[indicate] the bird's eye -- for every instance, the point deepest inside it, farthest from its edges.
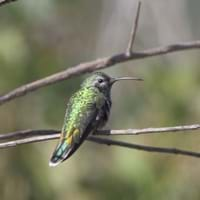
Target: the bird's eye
(100, 80)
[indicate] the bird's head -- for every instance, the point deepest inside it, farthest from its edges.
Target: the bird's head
(104, 82)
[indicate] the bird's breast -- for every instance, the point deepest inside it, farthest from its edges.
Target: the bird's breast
(104, 113)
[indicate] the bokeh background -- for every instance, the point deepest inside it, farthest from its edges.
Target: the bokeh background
(39, 38)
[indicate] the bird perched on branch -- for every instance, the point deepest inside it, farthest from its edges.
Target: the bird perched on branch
(87, 110)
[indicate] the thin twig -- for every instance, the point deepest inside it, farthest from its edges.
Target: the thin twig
(3, 2)
(54, 135)
(95, 65)
(27, 140)
(26, 133)
(150, 130)
(134, 30)
(144, 147)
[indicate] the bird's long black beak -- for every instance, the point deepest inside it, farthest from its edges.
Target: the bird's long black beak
(113, 80)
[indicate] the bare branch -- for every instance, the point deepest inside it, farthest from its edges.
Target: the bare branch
(26, 133)
(3, 2)
(144, 147)
(134, 30)
(28, 140)
(149, 130)
(35, 133)
(95, 65)
(30, 136)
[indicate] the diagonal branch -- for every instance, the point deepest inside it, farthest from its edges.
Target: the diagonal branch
(98, 64)
(95, 65)
(3, 2)
(134, 30)
(144, 147)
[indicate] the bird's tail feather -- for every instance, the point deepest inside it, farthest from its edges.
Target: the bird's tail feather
(60, 154)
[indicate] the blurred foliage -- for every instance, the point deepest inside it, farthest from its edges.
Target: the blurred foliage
(40, 38)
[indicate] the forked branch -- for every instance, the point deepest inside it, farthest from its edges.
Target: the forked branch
(100, 63)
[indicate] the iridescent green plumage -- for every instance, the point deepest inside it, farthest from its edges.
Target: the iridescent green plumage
(88, 110)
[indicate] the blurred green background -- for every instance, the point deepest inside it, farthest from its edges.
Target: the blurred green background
(39, 38)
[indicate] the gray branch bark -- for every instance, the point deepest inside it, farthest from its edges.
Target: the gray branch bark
(91, 66)
(100, 63)
(140, 147)
(33, 133)
(162, 130)
(3, 2)
(134, 30)
(30, 136)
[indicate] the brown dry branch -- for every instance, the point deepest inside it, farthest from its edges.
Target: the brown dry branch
(133, 31)
(140, 147)
(29, 136)
(95, 65)
(171, 129)
(100, 63)
(3, 2)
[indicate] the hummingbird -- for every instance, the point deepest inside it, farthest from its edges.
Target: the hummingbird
(87, 110)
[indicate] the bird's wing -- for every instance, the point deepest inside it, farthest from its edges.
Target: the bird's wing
(80, 120)
(81, 112)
